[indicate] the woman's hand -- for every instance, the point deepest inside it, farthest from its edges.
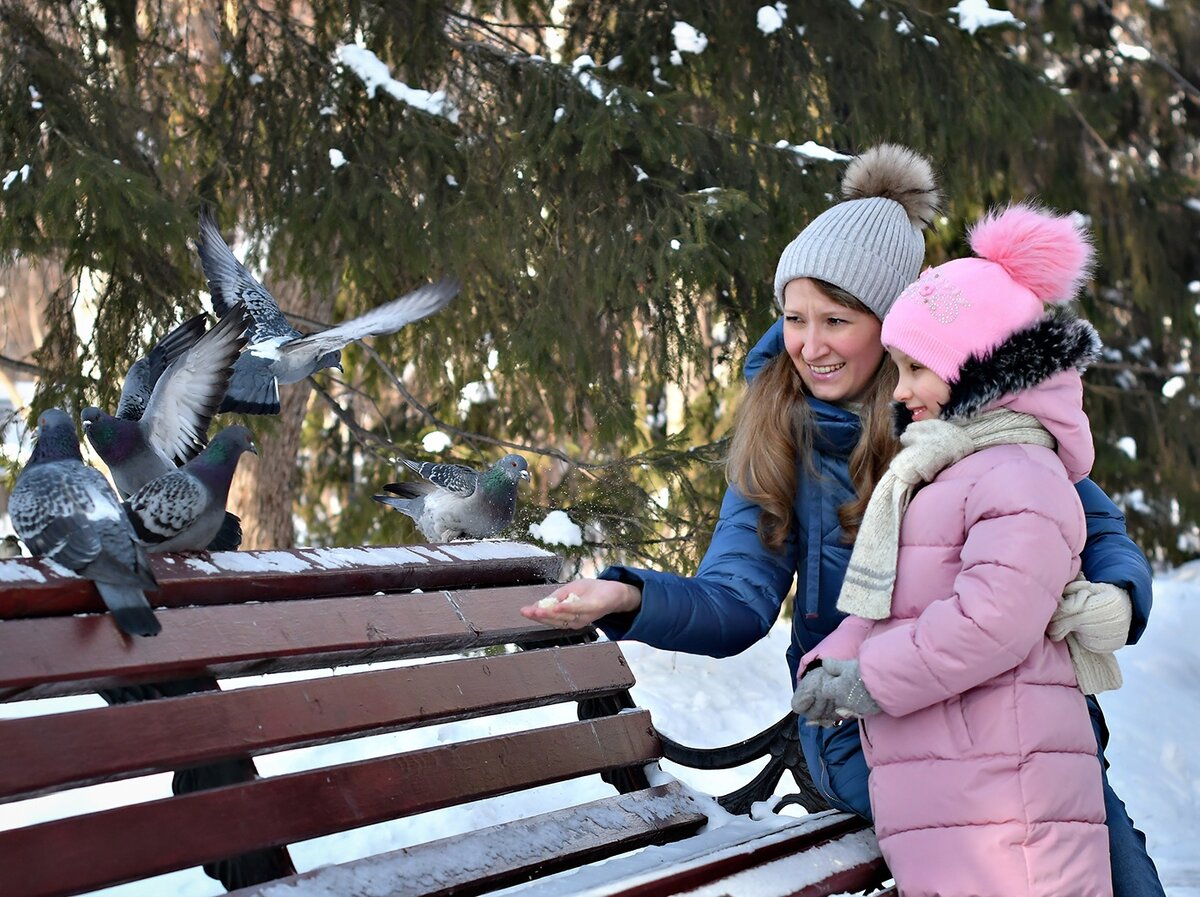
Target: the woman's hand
(583, 602)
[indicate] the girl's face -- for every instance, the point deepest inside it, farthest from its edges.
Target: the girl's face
(921, 391)
(836, 349)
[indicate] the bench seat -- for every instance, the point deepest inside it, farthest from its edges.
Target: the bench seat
(387, 640)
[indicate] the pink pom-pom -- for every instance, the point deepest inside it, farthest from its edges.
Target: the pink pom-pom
(1049, 254)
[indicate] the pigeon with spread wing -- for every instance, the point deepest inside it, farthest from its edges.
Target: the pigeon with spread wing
(278, 352)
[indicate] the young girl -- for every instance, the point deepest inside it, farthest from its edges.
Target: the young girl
(984, 779)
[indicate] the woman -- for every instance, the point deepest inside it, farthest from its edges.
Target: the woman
(802, 468)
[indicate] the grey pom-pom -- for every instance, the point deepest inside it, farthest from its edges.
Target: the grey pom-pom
(895, 172)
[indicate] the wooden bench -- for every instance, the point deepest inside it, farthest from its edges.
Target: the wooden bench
(445, 619)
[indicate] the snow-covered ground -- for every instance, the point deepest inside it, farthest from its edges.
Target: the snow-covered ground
(1155, 722)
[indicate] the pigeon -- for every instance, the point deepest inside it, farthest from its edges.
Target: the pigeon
(162, 419)
(10, 547)
(66, 511)
(279, 353)
(185, 509)
(144, 373)
(458, 502)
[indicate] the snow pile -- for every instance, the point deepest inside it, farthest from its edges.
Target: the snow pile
(687, 40)
(557, 529)
(770, 18)
(813, 151)
(976, 14)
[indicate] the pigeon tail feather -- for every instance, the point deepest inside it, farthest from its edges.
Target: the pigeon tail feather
(229, 536)
(253, 388)
(410, 490)
(130, 609)
(409, 506)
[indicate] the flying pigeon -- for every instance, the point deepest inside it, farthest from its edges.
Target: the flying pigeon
(162, 419)
(185, 509)
(10, 547)
(458, 502)
(279, 353)
(144, 373)
(66, 511)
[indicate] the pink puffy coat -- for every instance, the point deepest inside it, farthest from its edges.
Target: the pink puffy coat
(984, 776)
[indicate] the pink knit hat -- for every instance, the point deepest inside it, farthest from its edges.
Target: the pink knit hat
(1026, 258)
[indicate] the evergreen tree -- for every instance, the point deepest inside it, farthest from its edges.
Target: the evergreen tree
(613, 183)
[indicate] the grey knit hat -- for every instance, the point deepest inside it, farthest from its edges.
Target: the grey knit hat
(871, 244)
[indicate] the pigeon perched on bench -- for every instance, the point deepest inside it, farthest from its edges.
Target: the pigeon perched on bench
(279, 353)
(163, 416)
(66, 511)
(458, 502)
(185, 509)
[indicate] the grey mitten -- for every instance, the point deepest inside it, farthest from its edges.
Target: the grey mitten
(846, 688)
(813, 701)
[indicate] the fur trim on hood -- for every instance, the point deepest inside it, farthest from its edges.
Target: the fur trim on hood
(1056, 343)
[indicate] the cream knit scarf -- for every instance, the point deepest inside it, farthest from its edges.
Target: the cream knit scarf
(930, 446)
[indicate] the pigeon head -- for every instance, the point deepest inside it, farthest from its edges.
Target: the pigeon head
(329, 360)
(56, 438)
(216, 464)
(227, 446)
(111, 437)
(513, 467)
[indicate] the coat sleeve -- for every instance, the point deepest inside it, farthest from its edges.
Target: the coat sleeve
(729, 604)
(1023, 533)
(844, 643)
(1111, 556)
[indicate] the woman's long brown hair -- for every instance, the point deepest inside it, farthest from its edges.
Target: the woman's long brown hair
(775, 428)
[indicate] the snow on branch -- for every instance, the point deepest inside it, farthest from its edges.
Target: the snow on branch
(374, 73)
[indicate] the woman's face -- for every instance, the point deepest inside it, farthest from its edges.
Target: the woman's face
(836, 349)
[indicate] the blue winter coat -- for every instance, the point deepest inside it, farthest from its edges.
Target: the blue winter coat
(738, 590)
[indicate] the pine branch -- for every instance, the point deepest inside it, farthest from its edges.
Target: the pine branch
(364, 436)
(23, 367)
(1188, 87)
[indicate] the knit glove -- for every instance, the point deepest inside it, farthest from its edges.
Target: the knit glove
(1098, 613)
(849, 693)
(813, 701)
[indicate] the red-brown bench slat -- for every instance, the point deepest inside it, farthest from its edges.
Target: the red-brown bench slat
(809, 856)
(730, 864)
(34, 589)
(73, 655)
(82, 852)
(92, 746)
(509, 853)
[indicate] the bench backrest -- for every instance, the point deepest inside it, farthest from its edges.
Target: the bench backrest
(248, 613)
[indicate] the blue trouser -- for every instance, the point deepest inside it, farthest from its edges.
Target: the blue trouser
(1134, 873)
(839, 770)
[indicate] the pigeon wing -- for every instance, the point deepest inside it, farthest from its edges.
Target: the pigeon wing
(454, 478)
(144, 372)
(69, 541)
(386, 318)
(165, 507)
(188, 395)
(54, 509)
(229, 282)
